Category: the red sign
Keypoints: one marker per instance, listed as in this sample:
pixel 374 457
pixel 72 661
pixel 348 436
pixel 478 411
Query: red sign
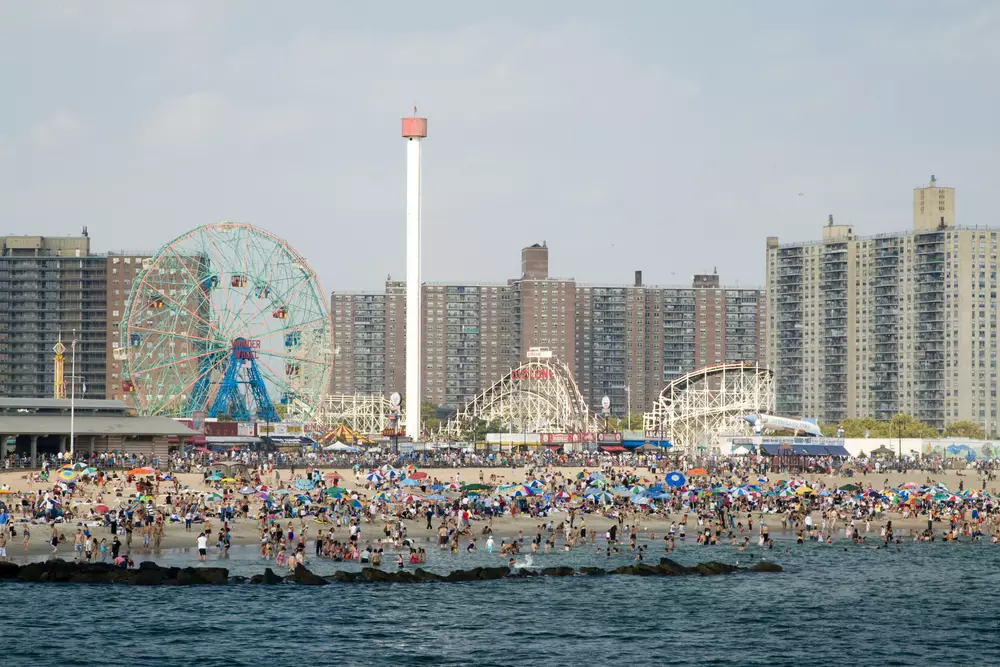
pixel 245 349
pixel 532 374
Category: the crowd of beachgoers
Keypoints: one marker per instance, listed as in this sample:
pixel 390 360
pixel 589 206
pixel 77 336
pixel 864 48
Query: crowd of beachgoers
pixel 360 507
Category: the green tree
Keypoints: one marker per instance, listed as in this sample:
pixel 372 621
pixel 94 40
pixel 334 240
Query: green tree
pixel 965 429
pixel 429 416
pixel 633 421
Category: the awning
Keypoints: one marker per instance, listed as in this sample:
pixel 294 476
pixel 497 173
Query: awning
pixel 555 448
pixel 291 440
pixel 613 449
pixel 789 449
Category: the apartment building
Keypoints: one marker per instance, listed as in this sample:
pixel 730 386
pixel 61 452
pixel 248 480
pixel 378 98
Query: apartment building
pixel 49 287
pixel 621 341
pixel 894 323
pixel 121 269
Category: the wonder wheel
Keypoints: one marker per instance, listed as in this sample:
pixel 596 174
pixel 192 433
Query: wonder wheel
pixel 226 321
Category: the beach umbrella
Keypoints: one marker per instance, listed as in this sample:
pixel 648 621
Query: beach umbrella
pixel 261 495
pixel 304 484
pixel 228 480
pixel 213 497
pixel 437 487
pixel 282 492
pixel 436 497
pixel 675 479
pixel 66 475
pixel 697 471
pixel 214 477
pixel 591 491
pixel 740 492
pixel 824 492
pixel 101 509
pixel 247 491
pixel 638 488
pixel 803 490
pixel 410 499
pixel 334 490
pixel 144 470
pixel 521 490
pixel 849 487
pixel 356 503
pixel 562 495
pixel 410 482
pixel 375 477
pixel 640 500
pixel 420 474
pixel 90 471
pixel 604 497
pixel 475 487
pixel 331 476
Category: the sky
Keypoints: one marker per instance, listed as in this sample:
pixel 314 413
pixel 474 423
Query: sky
pixel 671 137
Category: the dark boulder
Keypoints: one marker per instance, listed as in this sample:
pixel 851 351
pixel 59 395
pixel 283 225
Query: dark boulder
pixel 9 570
pixel 765 566
pixel 712 568
pixel 203 576
pixel 304 577
pixel 423 575
pixel 149 565
pixel 147 577
pixel 238 580
pixel 672 567
pixel 490 573
pixel 377 575
pixel 464 575
pixel 347 577
pixel 558 571
pixel 593 571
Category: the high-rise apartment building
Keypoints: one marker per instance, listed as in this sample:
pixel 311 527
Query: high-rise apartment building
pixel 624 342
pixel 121 269
pixel 894 323
pixel 49 287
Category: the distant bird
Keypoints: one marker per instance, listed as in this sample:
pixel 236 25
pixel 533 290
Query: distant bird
pixel 800 194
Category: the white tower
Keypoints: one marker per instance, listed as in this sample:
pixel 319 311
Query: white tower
pixel 414 131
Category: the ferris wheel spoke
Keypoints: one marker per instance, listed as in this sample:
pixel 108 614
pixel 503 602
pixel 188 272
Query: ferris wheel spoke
pixel 183 389
pixel 174 334
pixel 219 266
pixel 292 329
pixel 197 283
pixel 191 313
pixel 180 360
pixel 264 302
pixel 284 304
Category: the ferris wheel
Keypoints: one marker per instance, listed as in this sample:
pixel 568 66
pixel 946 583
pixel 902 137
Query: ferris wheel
pixel 229 321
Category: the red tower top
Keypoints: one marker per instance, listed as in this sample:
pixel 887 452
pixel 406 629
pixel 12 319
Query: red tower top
pixel 414 127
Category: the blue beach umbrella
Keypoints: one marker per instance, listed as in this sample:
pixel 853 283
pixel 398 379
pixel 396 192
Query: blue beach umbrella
pixel 675 479
pixel 304 484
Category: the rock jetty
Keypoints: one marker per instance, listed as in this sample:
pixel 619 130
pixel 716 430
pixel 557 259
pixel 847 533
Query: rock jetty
pixel 151 574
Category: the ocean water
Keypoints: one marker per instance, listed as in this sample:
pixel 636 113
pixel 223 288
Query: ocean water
pixel 928 604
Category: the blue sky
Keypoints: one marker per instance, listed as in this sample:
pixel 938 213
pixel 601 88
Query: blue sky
pixel 664 136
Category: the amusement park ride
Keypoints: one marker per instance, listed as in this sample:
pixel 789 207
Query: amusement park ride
pixel 226 320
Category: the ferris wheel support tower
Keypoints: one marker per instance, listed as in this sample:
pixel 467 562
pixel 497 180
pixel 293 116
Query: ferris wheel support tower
pixel 414 131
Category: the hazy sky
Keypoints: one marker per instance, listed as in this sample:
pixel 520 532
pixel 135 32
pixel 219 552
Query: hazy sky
pixel 664 136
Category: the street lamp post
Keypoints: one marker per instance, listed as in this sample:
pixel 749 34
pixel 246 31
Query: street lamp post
pixel 72 395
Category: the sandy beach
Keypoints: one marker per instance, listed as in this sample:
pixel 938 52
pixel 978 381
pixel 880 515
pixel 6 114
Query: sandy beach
pixel 246 532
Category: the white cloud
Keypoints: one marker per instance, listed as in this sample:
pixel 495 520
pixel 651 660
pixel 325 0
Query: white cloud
pixel 58 130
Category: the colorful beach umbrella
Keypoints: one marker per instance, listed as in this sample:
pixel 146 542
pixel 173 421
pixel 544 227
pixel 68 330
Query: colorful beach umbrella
pixel 304 484
pixel 67 475
pixel 144 470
